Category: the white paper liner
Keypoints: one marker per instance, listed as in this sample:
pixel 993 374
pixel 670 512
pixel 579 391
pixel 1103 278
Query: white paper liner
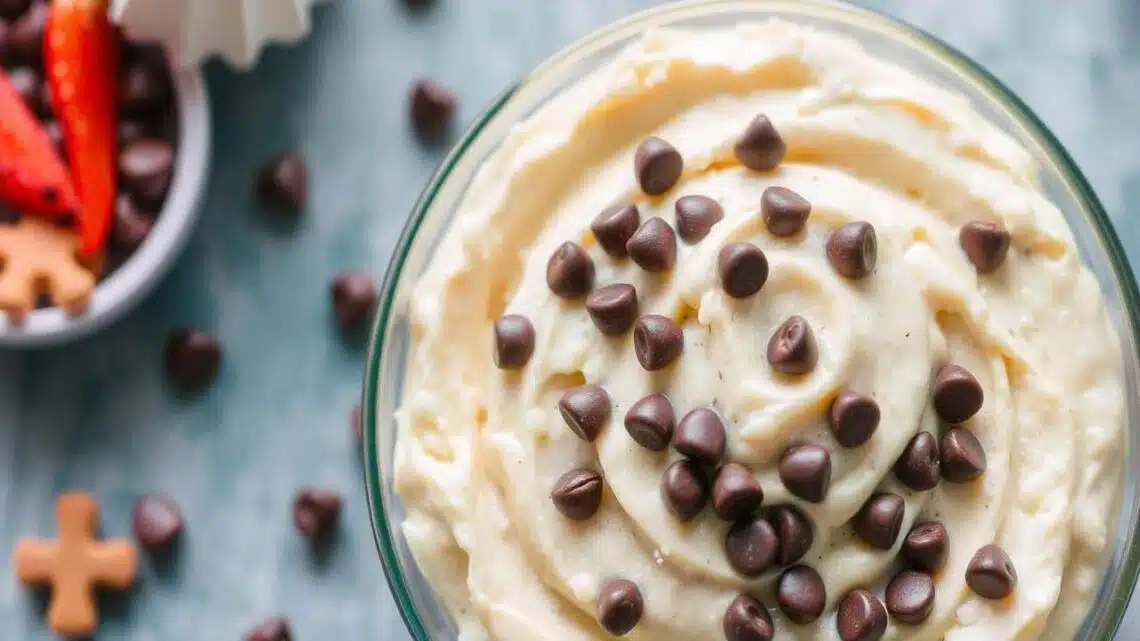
pixel 193 30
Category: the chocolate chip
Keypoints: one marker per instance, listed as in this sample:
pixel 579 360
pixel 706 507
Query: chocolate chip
pixel 784 211
pixel 991 574
pixel 156 521
pixel 910 597
pixel 432 107
pixel 653 246
pixel 144 89
pixel 514 341
pixel 760 148
pixel 273 629
pixel 696 216
pixel 658 165
pixel 615 226
pixel 963 458
pixel 613 308
pixel 12 9
pixel 586 409
pixel 985 244
pixel 619 606
pixel 649 422
pixel 700 436
pixel 751 546
pixel 806 471
pixel 26 82
pixel 794 532
pixel 736 492
pixel 801 595
pixel 578 493
pixel 684 488
pixel 192 358
pixel 861 617
pixel 743 269
pixel 919 467
pixel 746 619
pixel 316 511
pixel 853 418
pixel 146 167
pixel 283 182
pixel 130 227
pixel 353 296
pixel 132 130
pixel 570 271
pixel 792 348
pixel 957 394
pixel 880 520
pixel 853 249
pixel 926 546
pixel 26 35
pixel 657 341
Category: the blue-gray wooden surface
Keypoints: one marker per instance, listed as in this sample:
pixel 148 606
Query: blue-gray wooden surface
pixel 98 416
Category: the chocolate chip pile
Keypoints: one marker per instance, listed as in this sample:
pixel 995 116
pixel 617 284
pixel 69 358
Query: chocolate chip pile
pixel 148 123
pixel 761 538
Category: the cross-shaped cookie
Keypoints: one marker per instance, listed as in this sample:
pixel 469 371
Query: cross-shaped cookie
pixel 75 564
pixel 38 257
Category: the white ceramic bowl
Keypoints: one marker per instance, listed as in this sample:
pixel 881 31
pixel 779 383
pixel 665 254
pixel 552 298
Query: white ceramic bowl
pixel 131 282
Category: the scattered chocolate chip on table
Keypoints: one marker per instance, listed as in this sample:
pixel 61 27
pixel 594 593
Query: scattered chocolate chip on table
pixel 283 182
pixel 157 521
pixel 432 107
pixel 316 511
pixel 353 297
pixel 193 358
pixel 272 629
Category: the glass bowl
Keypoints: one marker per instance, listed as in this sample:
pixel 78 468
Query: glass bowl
pixel 1060 180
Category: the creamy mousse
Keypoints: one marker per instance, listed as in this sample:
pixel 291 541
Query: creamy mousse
pixel 750 335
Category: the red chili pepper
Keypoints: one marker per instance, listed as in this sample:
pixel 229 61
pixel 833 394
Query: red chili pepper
pixel 32 177
pixel 81 60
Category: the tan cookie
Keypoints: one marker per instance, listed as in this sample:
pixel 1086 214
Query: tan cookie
pixel 74 565
pixel 37 257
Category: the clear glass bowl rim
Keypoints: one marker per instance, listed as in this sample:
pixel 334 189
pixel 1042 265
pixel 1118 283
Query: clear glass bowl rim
pixel 1105 625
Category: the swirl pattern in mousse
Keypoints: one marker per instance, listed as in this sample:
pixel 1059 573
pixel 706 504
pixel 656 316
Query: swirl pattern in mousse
pixel 751 335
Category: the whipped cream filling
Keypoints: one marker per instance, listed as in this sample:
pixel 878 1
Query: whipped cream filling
pixel 479 449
